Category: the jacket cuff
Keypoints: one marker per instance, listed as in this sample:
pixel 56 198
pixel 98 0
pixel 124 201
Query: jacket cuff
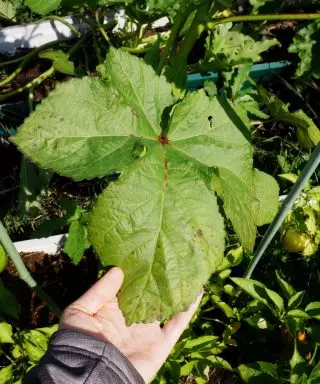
pixel 108 360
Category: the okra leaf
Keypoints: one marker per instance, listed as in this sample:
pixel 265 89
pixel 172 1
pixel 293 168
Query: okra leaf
pixel 226 48
pixel 160 220
pixel 306 45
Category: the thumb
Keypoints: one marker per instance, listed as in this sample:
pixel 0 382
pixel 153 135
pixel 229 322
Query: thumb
pixel 175 327
pixel 102 292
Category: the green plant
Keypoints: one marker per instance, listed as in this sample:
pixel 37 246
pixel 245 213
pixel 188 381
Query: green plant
pixel 303 219
pixel 22 349
pixel 297 318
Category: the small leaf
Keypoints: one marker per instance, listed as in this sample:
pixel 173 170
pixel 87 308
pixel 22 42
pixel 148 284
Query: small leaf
pixel 225 308
pixel 187 368
pixel 259 291
pixel 6 333
pixel 49 331
pixel 258 4
pixel 77 242
pixel 7 10
pixel 314 377
pixel 232 259
pixel 306 45
pixel 292 177
pixel 296 300
pixel 60 60
pixel 313 310
pixel 259 372
pixel 8 304
pixel 218 362
pixel 298 313
pixel 226 48
pixel 298 366
pixel 307 132
pixel 43 7
pixel 6 374
pixel 35 345
pixel 200 344
pixel 286 288
pixel 259 322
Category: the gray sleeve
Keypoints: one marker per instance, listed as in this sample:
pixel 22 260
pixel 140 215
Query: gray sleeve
pixel 76 358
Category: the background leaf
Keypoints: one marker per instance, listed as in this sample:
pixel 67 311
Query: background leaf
pixel 43 7
pixel 259 372
pixel 77 242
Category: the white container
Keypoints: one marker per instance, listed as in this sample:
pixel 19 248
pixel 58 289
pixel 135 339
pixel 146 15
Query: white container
pixel 36 34
pixel 50 245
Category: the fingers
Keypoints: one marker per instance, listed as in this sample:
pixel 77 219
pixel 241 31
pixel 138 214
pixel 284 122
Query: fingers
pixel 175 327
pixel 103 291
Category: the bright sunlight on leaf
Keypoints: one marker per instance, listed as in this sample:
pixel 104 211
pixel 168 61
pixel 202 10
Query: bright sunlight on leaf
pixel 160 220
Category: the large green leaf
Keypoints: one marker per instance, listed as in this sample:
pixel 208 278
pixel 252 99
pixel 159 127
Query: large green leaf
pixel 43 7
pixel 226 48
pixel 160 220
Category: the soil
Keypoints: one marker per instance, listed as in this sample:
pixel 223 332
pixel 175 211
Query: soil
pixel 59 278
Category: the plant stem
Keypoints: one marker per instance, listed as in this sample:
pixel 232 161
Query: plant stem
pixel 32 84
pixel 63 21
pixel 210 25
pixel 102 31
pixel 29 55
pixel 173 35
pixel 287 204
pixel 23 271
pixel 192 35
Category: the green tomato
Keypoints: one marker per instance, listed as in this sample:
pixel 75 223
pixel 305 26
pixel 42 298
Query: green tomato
pixel 3 259
pixel 294 240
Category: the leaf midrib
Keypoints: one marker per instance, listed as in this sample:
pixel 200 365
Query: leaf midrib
pixel 157 238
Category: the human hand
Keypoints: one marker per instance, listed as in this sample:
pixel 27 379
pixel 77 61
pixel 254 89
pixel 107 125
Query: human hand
pixel 146 346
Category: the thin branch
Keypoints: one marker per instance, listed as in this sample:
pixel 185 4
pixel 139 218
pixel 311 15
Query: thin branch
pixel 287 204
pixel 210 25
pixel 23 271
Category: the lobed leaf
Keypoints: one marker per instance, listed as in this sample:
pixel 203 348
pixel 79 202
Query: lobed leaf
pixel 160 220
pixel 227 48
